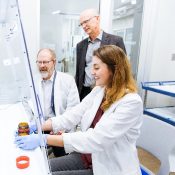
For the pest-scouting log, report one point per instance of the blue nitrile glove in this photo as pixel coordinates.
(29, 142)
(16, 133)
(33, 128)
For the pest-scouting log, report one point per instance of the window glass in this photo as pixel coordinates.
(127, 19)
(60, 29)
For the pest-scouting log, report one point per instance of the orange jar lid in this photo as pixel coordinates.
(22, 162)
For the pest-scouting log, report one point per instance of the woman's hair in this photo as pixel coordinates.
(122, 81)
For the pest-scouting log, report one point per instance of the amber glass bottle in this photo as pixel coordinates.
(23, 129)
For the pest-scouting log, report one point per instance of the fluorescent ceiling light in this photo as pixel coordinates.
(133, 2)
(56, 12)
(128, 1)
(64, 13)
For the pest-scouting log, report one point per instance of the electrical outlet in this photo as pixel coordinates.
(173, 57)
(7, 62)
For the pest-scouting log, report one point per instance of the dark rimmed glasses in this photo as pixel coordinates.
(86, 21)
(43, 62)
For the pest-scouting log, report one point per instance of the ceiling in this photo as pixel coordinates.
(67, 6)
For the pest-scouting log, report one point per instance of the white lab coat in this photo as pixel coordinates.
(65, 93)
(112, 142)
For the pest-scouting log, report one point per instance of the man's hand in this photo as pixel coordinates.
(33, 128)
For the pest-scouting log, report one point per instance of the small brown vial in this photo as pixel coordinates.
(23, 129)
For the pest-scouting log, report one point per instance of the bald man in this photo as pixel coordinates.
(57, 90)
(90, 22)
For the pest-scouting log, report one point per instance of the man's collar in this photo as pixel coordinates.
(99, 37)
(52, 77)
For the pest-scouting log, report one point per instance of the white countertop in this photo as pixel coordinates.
(10, 116)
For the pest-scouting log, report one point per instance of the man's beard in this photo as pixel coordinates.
(44, 74)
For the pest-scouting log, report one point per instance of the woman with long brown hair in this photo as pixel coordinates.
(109, 117)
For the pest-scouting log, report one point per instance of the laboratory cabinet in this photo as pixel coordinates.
(18, 95)
(164, 113)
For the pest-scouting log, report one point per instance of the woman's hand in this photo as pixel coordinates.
(30, 142)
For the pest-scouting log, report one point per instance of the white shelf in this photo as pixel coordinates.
(166, 88)
(166, 114)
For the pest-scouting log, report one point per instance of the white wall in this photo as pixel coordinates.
(106, 14)
(157, 42)
(163, 68)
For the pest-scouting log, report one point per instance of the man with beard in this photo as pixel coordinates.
(57, 90)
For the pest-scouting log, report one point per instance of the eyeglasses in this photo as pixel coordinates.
(86, 21)
(43, 62)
